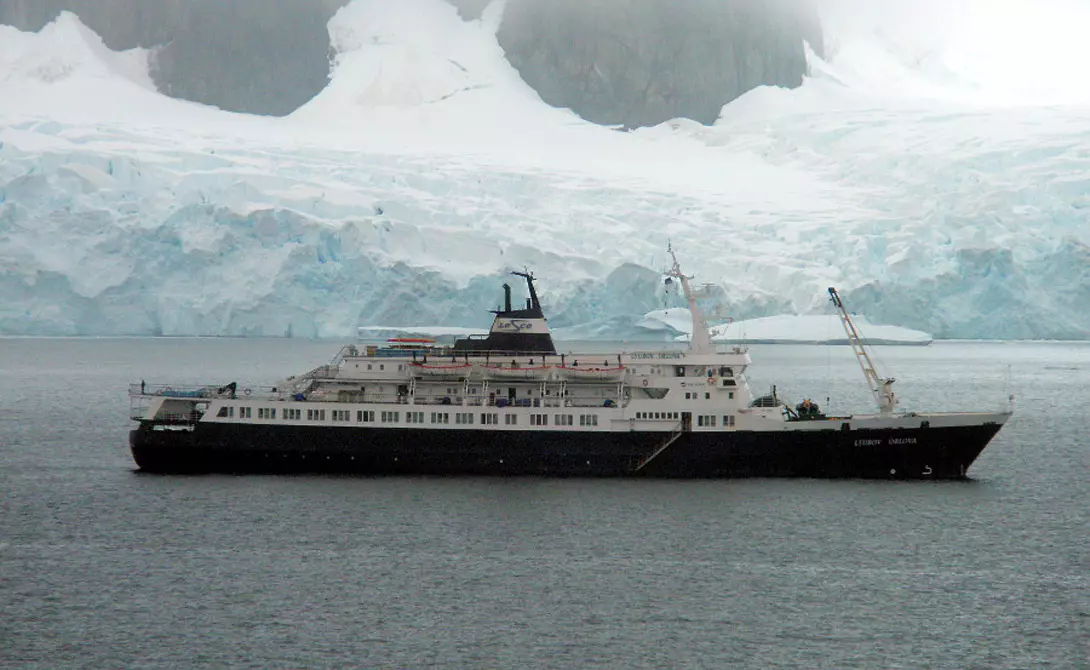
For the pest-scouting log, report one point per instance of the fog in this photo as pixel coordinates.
(983, 51)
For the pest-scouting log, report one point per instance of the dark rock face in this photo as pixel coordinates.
(626, 62)
(642, 62)
(259, 56)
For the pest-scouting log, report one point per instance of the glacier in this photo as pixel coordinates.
(938, 181)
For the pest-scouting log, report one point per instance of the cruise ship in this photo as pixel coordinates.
(507, 403)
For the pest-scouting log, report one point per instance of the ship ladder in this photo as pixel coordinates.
(670, 439)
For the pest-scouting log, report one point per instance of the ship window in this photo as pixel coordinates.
(365, 415)
(510, 419)
(728, 420)
(244, 412)
(382, 367)
(226, 411)
(687, 395)
(368, 366)
(489, 419)
(679, 371)
(707, 396)
(730, 395)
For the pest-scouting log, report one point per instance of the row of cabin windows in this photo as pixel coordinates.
(368, 416)
(709, 420)
(679, 371)
(707, 396)
(658, 415)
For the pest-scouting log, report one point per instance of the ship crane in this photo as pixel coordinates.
(882, 388)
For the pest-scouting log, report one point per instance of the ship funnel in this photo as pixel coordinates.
(507, 297)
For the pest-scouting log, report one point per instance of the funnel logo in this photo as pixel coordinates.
(519, 326)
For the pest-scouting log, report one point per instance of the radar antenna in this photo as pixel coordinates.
(700, 342)
(529, 277)
(882, 388)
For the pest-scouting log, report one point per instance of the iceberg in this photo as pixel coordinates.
(428, 169)
(783, 329)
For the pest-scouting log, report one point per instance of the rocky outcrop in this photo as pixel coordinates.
(623, 62)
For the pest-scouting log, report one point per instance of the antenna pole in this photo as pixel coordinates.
(700, 342)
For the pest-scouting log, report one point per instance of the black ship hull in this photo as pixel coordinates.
(918, 453)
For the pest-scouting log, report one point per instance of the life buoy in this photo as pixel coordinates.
(711, 380)
(645, 382)
(247, 392)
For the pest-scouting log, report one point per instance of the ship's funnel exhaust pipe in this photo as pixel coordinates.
(507, 297)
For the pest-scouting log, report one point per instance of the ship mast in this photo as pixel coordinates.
(881, 388)
(700, 342)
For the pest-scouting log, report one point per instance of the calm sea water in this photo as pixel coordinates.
(104, 567)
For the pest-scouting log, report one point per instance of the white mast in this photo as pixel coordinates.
(700, 342)
(881, 388)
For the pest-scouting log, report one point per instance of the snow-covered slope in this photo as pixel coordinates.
(426, 169)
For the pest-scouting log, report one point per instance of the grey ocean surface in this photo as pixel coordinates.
(104, 567)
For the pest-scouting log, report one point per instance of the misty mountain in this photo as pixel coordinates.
(625, 62)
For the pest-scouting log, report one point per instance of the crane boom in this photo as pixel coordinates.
(882, 388)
